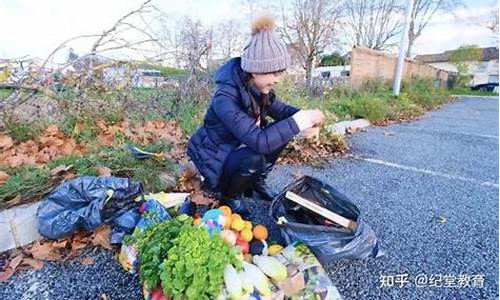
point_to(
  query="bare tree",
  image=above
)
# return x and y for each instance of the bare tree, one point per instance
(422, 13)
(372, 23)
(194, 44)
(229, 39)
(310, 28)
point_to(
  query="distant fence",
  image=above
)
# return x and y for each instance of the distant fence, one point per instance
(369, 64)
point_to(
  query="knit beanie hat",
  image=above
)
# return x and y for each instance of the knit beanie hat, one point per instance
(265, 53)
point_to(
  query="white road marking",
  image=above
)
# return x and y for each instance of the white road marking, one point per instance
(418, 170)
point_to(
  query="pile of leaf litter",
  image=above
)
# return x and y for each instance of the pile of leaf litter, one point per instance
(30, 169)
(316, 152)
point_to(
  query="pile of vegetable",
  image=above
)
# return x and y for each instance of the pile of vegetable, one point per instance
(183, 259)
(217, 255)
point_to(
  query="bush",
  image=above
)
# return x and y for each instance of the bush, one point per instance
(369, 107)
(422, 92)
(403, 108)
(375, 85)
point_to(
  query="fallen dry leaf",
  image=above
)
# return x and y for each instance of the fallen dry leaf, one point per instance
(3, 177)
(60, 244)
(34, 263)
(44, 251)
(52, 130)
(11, 268)
(69, 175)
(106, 139)
(6, 142)
(87, 261)
(15, 161)
(15, 201)
(104, 171)
(77, 245)
(102, 237)
(60, 170)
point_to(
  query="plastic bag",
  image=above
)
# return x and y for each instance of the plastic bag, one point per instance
(328, 242)
(151, 212)
(86, 202)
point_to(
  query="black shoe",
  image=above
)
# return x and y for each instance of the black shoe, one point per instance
(237, 188)
(239, 206)
(260, 186)
(265, 192)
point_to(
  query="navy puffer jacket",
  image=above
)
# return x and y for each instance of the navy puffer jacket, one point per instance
(231, 121)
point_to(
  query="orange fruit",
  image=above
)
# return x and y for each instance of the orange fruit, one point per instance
(197, 221)
(237, 224)
(246, 234)
(248, 225)
(226, 210)
(260, 232)
(235, 217)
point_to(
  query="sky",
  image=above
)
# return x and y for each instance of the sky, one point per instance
(36, 27)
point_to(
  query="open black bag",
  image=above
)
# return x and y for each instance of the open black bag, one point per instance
(328, 242)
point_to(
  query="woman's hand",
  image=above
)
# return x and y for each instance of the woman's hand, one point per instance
(317, 117)
(310, 133)
(309, 118)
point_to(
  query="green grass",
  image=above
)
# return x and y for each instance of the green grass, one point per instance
(26, 181)
(4, 93)
(22, 132)
(170, 71)
(122, 163)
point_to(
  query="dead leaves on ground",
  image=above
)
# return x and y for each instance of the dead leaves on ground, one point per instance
(3, 177)
(145, 133)
(10, 268)
(190, 182)
(51, 145)
(34, 255)
(316, 152)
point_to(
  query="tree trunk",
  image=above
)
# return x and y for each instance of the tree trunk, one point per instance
(411, 38)
(309, 67)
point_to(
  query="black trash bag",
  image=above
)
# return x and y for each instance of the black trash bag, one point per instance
(328, 242)
(87, 202)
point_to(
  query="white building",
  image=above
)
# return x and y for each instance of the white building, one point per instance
(483, 71)
(331, 71)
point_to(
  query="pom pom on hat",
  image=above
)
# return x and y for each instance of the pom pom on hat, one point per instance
(263, 22)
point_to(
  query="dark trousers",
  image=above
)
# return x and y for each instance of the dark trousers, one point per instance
(243, 160)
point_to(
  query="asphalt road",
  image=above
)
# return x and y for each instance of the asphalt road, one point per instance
(428, 188)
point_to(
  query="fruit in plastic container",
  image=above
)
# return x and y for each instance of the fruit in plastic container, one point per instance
(246, 234)
(260, 232)
(237, 224)
(243, 245)
(226, 210)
